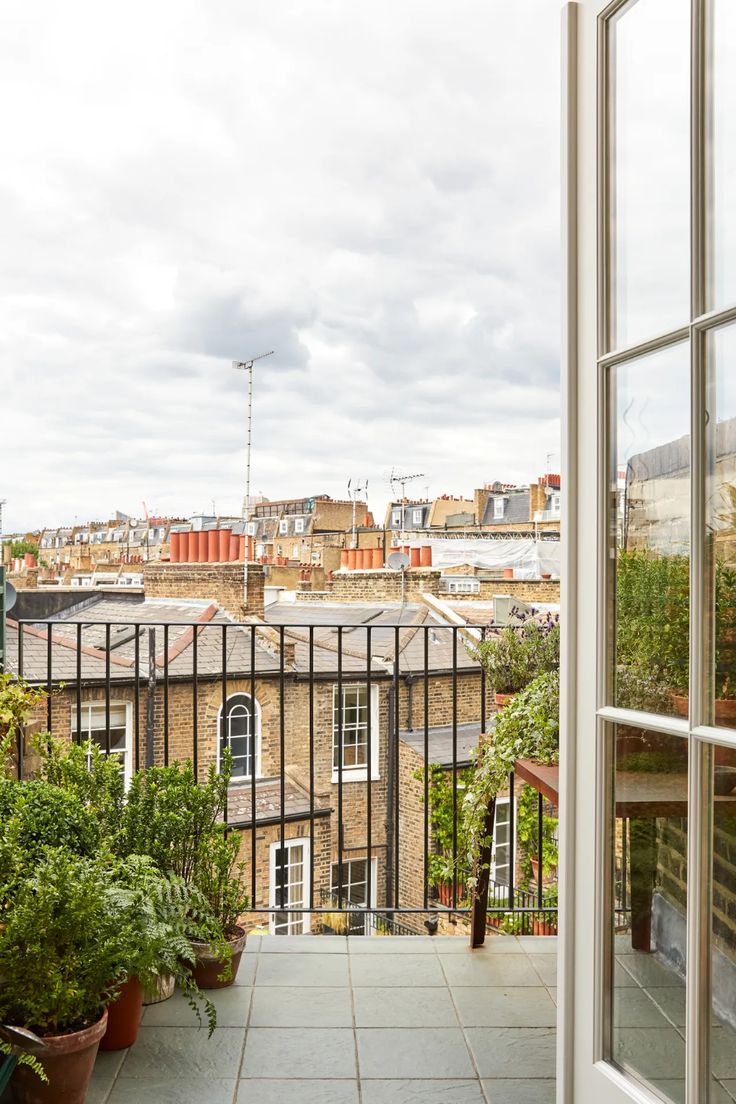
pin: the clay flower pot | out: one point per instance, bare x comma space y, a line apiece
164, 989
503, 699
67, 1060
124, 1017
208, 966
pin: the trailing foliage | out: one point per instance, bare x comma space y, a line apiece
528, 728
527, 835
219, 878
519, 652
441, 868
18, 701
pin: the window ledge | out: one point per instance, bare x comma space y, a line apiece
350, 775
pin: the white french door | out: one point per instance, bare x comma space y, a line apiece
648, 773
289, 886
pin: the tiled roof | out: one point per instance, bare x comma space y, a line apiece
268, 801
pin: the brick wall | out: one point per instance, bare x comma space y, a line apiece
221, 583
377, 586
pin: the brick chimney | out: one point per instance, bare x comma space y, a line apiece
217, 582
480, 501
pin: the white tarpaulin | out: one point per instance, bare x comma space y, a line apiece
529, 558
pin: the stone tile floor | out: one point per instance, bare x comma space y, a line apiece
355, 1020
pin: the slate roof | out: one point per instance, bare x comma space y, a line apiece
440, 742
268, 802
516, 510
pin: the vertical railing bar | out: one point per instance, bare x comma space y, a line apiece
21, 631
223, 718
340, 754
369, 771
195, 702
426, 766
454, 767
624, 859
108, 627
253, 772
137, 699
311, 766
49, 680
282, 759
540, 848
79, 682
512, 841
166, 695
397, 793
483, 688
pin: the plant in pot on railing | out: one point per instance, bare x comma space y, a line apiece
515, 656
446, 824
62, 955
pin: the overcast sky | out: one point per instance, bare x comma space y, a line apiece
370, 189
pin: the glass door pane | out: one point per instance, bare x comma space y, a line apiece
720, 706
723, 155
723, 922
650, 165
650, 531
648, 863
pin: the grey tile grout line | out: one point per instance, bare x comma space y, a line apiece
239, 1074
359, 1079
462, 1029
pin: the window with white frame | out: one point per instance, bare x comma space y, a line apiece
251, 528
502, 854
350, 732
295, 551
283, 527
94, 727
462, 586
554, 503
396, 518
498, 508
239, 727
289, 886
354, 882
299, 525
416, 517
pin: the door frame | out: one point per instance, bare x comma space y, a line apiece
288, 844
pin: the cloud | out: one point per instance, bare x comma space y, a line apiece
371, 190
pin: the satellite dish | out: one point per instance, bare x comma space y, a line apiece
11, 596
397, 561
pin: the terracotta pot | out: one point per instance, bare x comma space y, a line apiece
503, 699
208, 966
508, 573
680, 703
164, 989
544, 927
725, 712
67, 1060
124, 1017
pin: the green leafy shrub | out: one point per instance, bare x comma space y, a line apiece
62, 946
19, 548
219, 878
519, 652
93, 777
18, 701
653, 616
441, 868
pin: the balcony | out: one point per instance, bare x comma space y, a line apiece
339, 1020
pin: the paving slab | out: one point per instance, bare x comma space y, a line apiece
184, 1054
304, 944
393, 969
422, 1092
302, 969
512, 1053
307, 1052
495, 1006
161, 1090
538, 1090
393, 1006
489, 970
413, 1052
398, 944
305, 1006
652, 1052
255, 1090
232, 1006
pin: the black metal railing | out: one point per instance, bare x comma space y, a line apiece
358, 763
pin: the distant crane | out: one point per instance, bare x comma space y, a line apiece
401, 480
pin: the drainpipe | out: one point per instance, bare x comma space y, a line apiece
390, 796
409, 680
150, 700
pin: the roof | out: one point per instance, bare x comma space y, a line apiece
440, 742
444, 508
515, 511
268, 802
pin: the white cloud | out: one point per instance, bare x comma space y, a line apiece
369, 189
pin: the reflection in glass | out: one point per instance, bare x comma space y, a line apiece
650, 147
721, 527
649, 866
723, 950
650, 494
723, 226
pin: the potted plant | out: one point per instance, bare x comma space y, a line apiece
218, 877
156, 912
62, 954
518, 653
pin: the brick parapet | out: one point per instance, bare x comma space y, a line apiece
217, 582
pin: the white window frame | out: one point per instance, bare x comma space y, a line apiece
299, 923
416, 517
463, 585
257, 742
283, 527
499, 508
87, 707
251, 529
346, 864
299, 525
356, 773
504, 803
395, 518
295, 551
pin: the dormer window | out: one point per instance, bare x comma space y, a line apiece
416, 517
498, 508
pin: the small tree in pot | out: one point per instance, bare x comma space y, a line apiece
218, 877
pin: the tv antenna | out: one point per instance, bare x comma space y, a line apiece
353, 494
397, 480
247, 366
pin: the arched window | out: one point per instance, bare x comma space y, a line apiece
240, 731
